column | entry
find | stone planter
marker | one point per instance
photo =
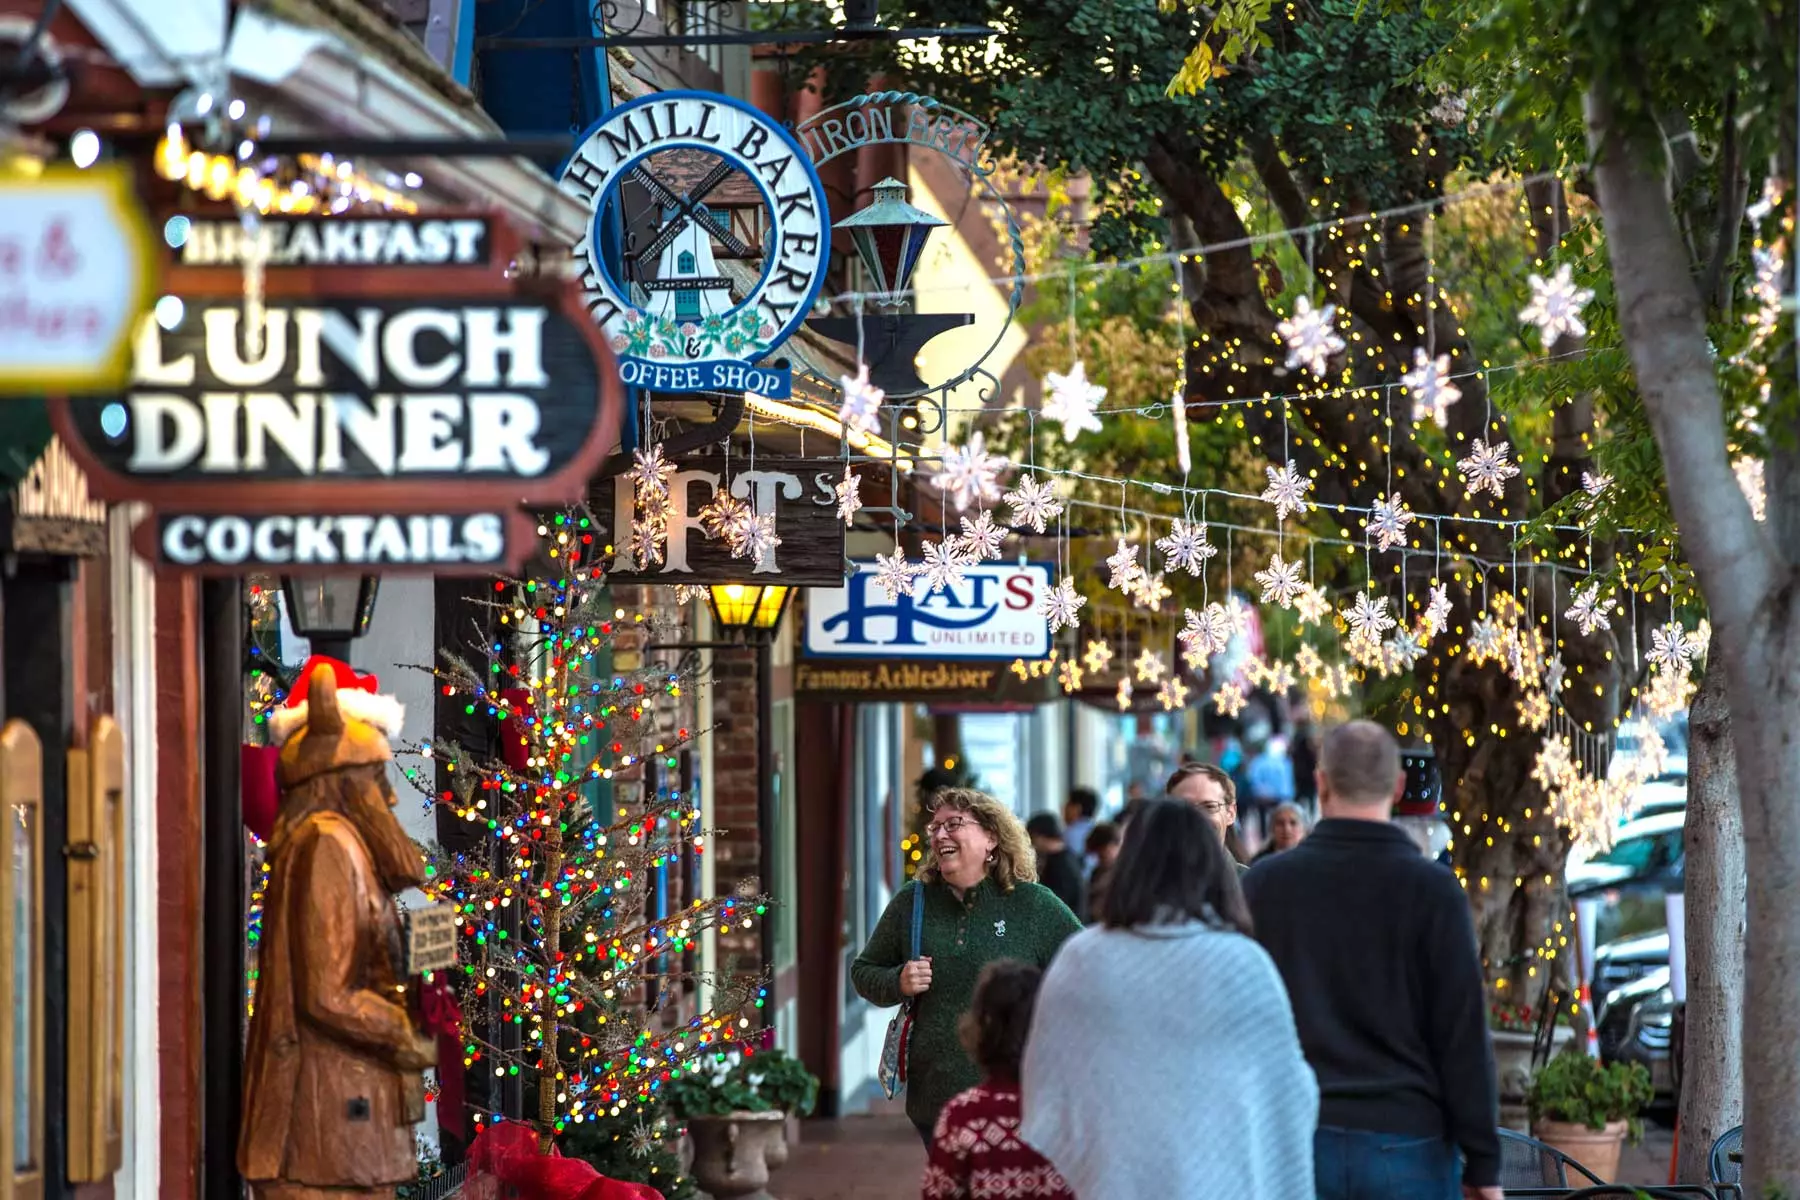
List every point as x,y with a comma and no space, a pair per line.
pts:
1512,1062
779,1150
732,1153
1596,1149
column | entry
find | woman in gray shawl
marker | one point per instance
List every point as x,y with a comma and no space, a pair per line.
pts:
1163,1058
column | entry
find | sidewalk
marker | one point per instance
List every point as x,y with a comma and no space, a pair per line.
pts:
876,1157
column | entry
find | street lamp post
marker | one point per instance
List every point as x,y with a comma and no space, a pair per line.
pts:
752,613
330,610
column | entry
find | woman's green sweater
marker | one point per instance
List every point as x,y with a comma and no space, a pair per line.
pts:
960,937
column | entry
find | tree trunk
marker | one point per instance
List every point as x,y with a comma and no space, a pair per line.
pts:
1712,1092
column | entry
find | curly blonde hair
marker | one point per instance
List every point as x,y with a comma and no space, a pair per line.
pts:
1015,862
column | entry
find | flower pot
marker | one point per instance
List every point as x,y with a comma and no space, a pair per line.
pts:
1595,1149
732,1153
1512,1062
779,1150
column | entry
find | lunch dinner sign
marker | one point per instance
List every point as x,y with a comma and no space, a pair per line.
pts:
991,614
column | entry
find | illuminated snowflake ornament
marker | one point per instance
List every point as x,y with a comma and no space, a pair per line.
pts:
1060,605
860,407
1403,649
1437,610
1485,641
755,539
1554,764
1186,548
1368,615
1071,402
1594,484
1173,694
1149,591
1068,675
1556,305
1309,336
1670,647
1097,657
723,513
1280,581
1287,490
646,546
1149,666
894,575
1553,678
968,474
1488,467
1229,700
1123,565
943,566
981,538
1534,710
1588,610
849,496
1307,660
1033,503
650,473
1388,522
1430,386
1312,604
1123,695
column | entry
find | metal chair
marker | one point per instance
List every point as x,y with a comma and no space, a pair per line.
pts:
1634,1191
1725,1164
1526,1163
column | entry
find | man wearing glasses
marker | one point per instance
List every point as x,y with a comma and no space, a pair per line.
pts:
1209,789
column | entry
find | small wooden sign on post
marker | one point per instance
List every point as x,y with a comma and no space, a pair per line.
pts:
430,939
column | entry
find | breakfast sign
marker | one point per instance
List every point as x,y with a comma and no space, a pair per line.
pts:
361,417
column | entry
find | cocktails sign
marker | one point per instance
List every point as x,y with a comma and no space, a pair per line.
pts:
681,322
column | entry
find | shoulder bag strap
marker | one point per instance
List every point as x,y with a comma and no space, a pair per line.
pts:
918,916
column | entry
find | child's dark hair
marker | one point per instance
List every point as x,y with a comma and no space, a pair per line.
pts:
999,1017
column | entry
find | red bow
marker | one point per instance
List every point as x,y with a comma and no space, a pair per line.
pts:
507,1155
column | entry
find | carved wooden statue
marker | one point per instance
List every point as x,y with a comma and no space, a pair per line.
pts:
332,1082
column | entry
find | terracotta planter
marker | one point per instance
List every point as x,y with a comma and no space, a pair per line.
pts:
1596,1149
732,1153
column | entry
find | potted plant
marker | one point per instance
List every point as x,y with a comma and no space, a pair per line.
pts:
732,1125
784,1082
1512,1028
1586,1110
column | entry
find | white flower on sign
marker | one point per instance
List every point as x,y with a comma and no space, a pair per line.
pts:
1309,335
860,408
1033,503
1431,388
1556,305
1071,401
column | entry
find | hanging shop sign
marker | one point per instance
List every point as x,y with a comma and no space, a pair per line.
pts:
680,321
992,613
798,491
76,272
354,416
339,242
984,685
50,511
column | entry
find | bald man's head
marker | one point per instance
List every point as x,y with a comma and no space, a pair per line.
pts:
1359,767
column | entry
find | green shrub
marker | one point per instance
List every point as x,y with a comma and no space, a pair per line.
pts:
782,1080
1577,1089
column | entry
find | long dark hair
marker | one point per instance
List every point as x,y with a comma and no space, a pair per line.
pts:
993,1030
1172,866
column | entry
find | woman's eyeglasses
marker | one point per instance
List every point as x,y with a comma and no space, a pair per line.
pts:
950,826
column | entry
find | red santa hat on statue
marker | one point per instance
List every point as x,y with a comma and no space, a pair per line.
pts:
357,700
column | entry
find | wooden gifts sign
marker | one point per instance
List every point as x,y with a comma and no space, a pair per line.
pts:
799,491
390,404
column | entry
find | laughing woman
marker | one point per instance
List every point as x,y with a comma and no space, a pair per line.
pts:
982,903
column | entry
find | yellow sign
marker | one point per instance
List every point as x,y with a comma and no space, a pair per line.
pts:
77,272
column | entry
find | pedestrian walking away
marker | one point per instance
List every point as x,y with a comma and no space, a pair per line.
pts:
1163,1059
975,1151
981,903
1379,954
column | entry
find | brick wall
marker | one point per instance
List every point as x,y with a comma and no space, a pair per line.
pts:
736,845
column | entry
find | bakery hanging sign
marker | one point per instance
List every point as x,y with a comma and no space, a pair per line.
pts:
357,417
709,290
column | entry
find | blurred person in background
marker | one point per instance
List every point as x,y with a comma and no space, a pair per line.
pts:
1103,849
1058,866
1078,817
1287,828
1271,778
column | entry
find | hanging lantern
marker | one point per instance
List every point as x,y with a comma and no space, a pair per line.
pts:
890,236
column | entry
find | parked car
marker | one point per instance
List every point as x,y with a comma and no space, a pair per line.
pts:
1646,861
1636,1023
1628,960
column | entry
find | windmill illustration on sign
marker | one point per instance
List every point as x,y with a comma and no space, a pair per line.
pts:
687,287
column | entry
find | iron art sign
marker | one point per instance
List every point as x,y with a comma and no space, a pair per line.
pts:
991,614
680,322
798,491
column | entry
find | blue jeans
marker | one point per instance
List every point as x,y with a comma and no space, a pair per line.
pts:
1350,1164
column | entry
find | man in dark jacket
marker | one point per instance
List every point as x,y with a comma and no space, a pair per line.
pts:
1378,951
1059,869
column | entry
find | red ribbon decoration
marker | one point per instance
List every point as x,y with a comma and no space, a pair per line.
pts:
504,1160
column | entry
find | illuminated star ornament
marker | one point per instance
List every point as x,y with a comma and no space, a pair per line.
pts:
1124,566
1312,604
1280,581
1670,647
1060,605
943,566
1309,336
1229,700
1172,694
860,408
1186,548
894,575
1556,305
981,538
1149,591
1072,401
1388,522
849,496
1307,660
968,474
1287,490
1368,615
1589,611
1068,675
1033,503
1488,468
1097,657
1430,387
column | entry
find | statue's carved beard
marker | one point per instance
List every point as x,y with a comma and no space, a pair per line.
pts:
364,799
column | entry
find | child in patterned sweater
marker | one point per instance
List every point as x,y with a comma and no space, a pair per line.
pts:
975,1152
